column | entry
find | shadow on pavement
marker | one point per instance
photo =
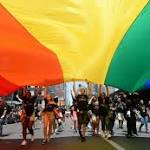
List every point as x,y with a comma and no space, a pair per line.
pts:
134,143
67,143
5,135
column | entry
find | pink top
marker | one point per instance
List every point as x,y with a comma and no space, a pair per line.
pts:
74,115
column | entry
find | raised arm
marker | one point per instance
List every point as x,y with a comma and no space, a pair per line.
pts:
73,96
17,96
74,89
4,113
89,89
90,101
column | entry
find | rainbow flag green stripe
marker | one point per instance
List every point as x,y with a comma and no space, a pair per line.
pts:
130,65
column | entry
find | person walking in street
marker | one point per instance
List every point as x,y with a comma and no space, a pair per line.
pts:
48,116
120,112
94,106
112,117
27,115
104,114
81,101
131,119
74,117
144,116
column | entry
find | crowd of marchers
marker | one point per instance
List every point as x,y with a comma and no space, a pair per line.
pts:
102,111
99,112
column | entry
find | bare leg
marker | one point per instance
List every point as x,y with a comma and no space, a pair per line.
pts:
98,120
75,125
45,130
50,131
83,128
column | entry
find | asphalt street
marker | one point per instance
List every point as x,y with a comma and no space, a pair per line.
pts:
69,140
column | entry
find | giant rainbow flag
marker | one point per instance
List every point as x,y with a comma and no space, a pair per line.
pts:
45,42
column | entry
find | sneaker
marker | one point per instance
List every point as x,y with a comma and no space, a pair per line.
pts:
24,143
32,138
106,134
103,134
109,136
56,130
44,142
134,135
128,136
52,136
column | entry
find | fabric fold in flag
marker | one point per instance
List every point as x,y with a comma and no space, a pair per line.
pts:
6,87
23,59
46,42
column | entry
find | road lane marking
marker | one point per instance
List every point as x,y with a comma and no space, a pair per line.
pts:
114,144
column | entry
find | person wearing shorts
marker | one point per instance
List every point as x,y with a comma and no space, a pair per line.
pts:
48,116
27,115
82,112
94,106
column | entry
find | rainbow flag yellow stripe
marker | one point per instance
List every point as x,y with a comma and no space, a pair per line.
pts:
47,42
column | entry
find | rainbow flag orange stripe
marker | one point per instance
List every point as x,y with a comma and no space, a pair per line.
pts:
23,59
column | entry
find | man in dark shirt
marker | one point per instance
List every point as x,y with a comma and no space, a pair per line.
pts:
82,108
3,110
104,113
112,117
131,119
